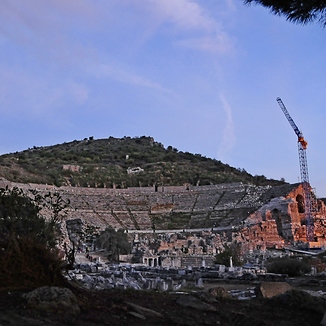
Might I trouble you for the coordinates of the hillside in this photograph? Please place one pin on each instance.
(119, 163)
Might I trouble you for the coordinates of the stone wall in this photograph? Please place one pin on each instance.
(256, 216)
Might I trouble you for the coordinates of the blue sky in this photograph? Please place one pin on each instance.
(199, 75)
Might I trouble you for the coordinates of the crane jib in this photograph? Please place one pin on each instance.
(308, 201)
(287, 115)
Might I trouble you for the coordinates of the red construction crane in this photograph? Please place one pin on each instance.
(302, 146)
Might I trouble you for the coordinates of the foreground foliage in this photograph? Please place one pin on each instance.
(28, 255)
(296, 11)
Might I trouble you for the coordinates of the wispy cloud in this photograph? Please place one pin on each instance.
(189, 16)
(219, 43)
(185, 14)
(68, 38)
(62, 31)
(228, 139)
(37, 95)
(121, 75)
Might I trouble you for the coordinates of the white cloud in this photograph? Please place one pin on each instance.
(188, 17)
(121, 75)
(185, 14)
(228, 139)
(62, 37)
(37, 95)
(219, 43)
(230, 5)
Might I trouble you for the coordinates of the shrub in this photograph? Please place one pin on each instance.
(28, 257)
(289, 266)
(114, 242)
(26, 263)
(233, 251)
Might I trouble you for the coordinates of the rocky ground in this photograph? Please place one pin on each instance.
(126, 307)
(132, 307)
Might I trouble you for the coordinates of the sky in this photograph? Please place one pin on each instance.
(199, 75)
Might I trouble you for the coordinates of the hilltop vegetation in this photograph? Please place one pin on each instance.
(105, 163)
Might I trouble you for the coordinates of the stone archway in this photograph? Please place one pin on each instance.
(300, 203)
(276, 215)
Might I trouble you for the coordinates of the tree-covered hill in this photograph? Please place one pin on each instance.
(120, 163)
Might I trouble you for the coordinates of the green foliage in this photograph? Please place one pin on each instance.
(28, 257)
(54, 203)
(114, 242)
(233, 251)
(289, 266)
(302, 11)
(20, 217)
(27, 264)
(104, 163)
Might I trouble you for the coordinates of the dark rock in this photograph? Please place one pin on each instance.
(51, 299)
(301, 300)
(207, 297)
(144, 311)
(137, 315)
(219, 292)
(192, 302)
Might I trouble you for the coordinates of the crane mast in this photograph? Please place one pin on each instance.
(302, 146)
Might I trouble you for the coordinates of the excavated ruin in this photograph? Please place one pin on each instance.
(258, 217)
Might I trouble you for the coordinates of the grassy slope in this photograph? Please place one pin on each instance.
(104, 163)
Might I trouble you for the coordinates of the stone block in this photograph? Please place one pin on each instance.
(271, 289)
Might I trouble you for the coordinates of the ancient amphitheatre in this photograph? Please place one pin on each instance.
(258, 217)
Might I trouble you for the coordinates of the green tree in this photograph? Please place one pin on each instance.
(28, 256)
(20, 216)
(53, 203)
(289, 266)
(233, 250)
(114, 242)
(296, 11)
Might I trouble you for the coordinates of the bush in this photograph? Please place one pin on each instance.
(26, 264)
(233, 251)
(114, 242)
(289, 266)
(28, 257)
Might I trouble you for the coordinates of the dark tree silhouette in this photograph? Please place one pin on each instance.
(28, 255)
(114, 242)
(296, 11)
(233, 251)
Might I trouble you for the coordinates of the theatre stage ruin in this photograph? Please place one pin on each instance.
(258, 217)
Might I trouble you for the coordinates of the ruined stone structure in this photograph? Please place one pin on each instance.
(257, 217)
(281, 220)
(183, 261)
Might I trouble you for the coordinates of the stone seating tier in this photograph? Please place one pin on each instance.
(180, 207)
